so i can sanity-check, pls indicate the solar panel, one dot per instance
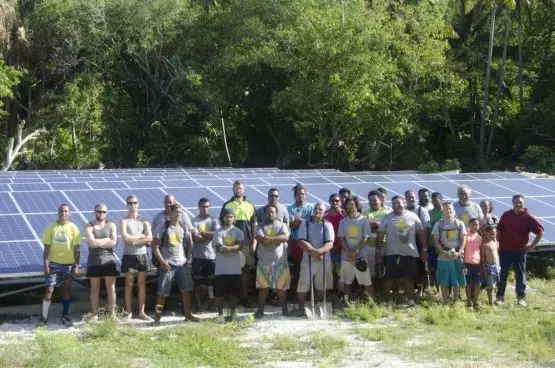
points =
(14, 227)
(29, 200)
(39, 202)
(6, 204)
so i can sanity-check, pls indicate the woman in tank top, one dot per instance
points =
(102, 238)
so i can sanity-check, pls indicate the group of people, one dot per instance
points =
(421, 240)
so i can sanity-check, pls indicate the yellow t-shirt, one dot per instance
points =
(62, 240)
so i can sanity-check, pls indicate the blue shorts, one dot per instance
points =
(58, 273)
(450, 273)
(473, 274)
(181, 275)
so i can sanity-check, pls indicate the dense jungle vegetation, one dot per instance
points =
(345, 84)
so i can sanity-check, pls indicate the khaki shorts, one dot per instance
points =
(349, 272)
(317, 275)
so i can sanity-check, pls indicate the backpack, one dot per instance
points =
(458, 223)
(164, 240)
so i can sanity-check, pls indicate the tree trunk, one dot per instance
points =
(499, 89)
(482, 150)
(225, 139)
(15, 144)
(520, 73)
(74, 144)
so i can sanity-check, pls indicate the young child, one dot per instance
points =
(490, 260)
(472, 263)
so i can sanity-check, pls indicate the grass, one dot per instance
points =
(437, 332)
(108, 344)
(321, 348)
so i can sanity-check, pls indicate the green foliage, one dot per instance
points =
(9, 78)
(298, 83)
(539, 159)
(433, 166)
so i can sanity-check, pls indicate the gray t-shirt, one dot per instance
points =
(472, 210)
(101, 256)
(400, 233)
(204, 249)
(271, 254)
(160, 218)
(173, 252)
(316, 236)
(450, 233)
(353, 230)
(282, 214)
(423, 215)
(135, 227)
(228, 263)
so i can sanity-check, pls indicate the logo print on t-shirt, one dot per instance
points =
(451, 234)
(229, 240)
(202, 227)
(60, 237)
(272, 232)
(353, 231)
(173, 239)
(402, 231)
(465, 217)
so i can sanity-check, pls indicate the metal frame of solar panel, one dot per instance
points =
(29, 199)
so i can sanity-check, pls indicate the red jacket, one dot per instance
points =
(513, 230)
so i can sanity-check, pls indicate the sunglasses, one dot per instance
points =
(98, 211)
(335, 200)
(274, 195)
(129, 203)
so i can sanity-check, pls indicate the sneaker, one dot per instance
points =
(42, 321)
(157, 319)
(66, 321)
(300, 313)
(522, 302)
(499, 302)
(220, 318)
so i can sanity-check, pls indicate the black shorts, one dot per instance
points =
(105, 270)
(203, 268)
(133, 264)
(401, 267)
(227, 284)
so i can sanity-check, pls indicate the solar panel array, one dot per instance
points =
(29, 199)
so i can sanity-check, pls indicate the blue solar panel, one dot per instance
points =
(188, 197)
(489, 189)
(485, 176)
(69, 186)
(14, 227)
(85, 200)
(144, 184)
(39, 202)
(343, 179)
(538, 207)
(215, 182)
(20, 257)
(313, 180)
(180, 183)
(6, 204)
(32, 186)
(39, 194)
(148, 198)
(544, 183)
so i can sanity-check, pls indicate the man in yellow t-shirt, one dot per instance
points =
(61, 254)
